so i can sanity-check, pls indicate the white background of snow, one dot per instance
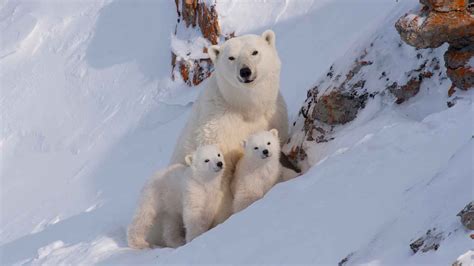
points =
(88, 112)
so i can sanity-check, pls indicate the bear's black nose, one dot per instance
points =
(265, 152)
(219, 164)
(245, 72)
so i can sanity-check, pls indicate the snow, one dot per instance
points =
(88, 112)
(466, 258)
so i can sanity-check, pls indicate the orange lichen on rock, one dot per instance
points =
(436, 28)
(462, 77)
(458, 68)
(208, 22)
(455, 58)
(338, 107)
(443, 21)
(196, 13)
(445, 6)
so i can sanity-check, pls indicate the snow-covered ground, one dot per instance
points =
(88, 111)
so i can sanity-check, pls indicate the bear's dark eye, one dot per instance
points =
(206, 161)
(218, 155)
(231, 58)
(256, 148)
(268, 143)
(255, 53)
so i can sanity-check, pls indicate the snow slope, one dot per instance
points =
(88, 112)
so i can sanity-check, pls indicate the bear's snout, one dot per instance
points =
(265, 154)
(245, 72)
(219, 164)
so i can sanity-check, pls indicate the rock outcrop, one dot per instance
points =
(348, 86)
(467, 215)
(192, 66)
(444, 21)
(429, 241)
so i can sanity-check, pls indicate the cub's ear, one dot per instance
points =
(213, 52)
(189, 159)
(274, 132)
(243, 143)
(269, 37)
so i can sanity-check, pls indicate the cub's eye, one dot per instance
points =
(255, 53)
(256, 148)
(218, 155)
(206, 161)
(268, 143)
(231, 58)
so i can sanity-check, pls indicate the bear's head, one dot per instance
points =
(206, 162)
(247, 67)
(262, 145)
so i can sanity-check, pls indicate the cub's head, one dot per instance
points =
(244, 61)
(262, 145)
(206, 161)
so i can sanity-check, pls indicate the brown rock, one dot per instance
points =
(433, 30)
(208, 22)
(429, 241)
(445, 5)
(406, 91)
(455, 58)
(451, 90)
(184, 70)
(201, 71)
(188, 11)
(196, 13)
(297, 154)
(462, 77)
(444, 21)
(338, 107)
(458, 68)
(467, 215)
(193, 72)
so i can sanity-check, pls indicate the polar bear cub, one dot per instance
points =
(203, 191)
(258, 170)
(180, 202)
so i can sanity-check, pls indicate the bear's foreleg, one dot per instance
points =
(173, 231)
(196, 221)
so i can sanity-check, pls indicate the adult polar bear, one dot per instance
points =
(242, 97)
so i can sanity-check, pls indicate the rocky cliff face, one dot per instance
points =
(189, 53)
(384, 69)
(441, 21)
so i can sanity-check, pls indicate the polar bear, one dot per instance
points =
(242, 97)
(258, 170)
(203, 193)
(182, 197)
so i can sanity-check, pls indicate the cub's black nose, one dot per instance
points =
(265, 152)
(245, 72)
(219, 164)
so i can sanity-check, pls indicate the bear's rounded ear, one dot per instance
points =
(243, 143)
(189, 159)
(213, 52)
(269, 37)
(274, 132)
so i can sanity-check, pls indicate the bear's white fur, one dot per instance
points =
(179, 198)
(258, 170)
(203, 193)
(230, 108)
